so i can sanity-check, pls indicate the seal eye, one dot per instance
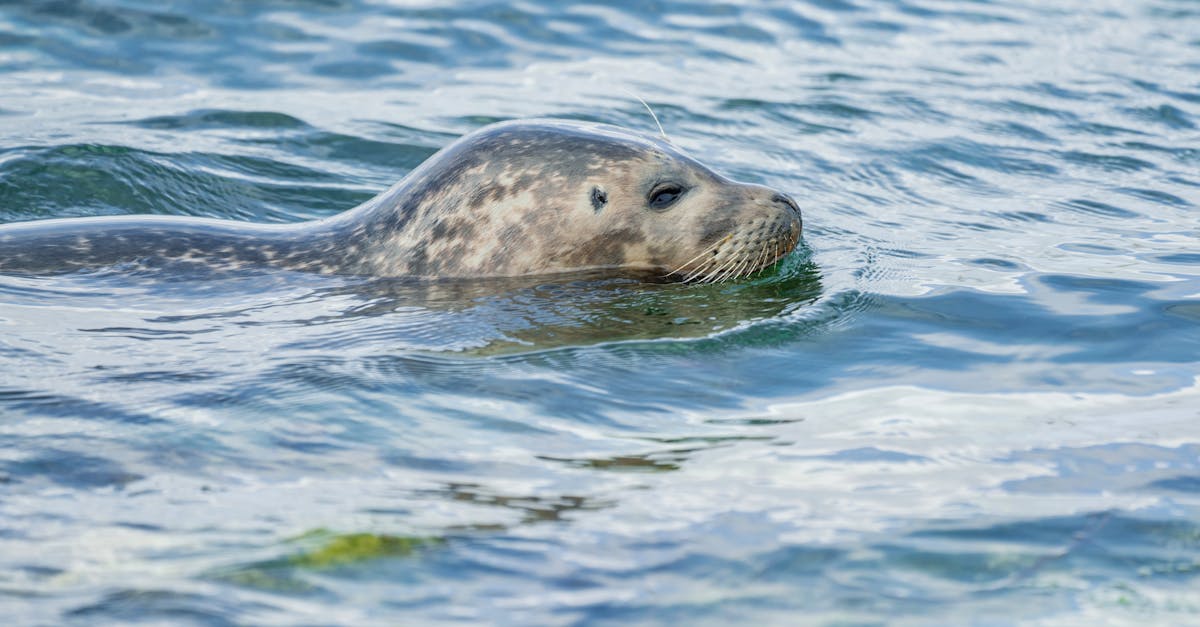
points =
(599, 198)
(664, 195)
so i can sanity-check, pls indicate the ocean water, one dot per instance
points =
(970, 396)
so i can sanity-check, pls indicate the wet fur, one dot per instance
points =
(510, 199)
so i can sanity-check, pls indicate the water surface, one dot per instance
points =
(970, 397)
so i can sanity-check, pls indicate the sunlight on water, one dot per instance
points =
(969, 397)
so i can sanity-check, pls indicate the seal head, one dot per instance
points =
(537, 197)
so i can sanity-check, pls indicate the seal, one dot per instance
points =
(510, 199)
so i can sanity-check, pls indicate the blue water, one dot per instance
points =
(970, 397)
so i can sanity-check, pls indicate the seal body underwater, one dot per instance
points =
(510, 199)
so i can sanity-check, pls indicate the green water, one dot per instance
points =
(969, 397)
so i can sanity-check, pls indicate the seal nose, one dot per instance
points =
(785, 200)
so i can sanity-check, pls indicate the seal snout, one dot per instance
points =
(786, 201)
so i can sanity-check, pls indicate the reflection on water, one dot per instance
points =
(969, 397)
(538, 313)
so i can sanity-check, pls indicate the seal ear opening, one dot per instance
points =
(599, 198)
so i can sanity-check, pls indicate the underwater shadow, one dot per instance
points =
(531, 314)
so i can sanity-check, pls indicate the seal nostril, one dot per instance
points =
(786, 201)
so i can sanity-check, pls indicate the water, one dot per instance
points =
(970, 397)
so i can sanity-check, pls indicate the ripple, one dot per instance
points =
(203, 119)
(41, 403)
(967, 397)
(87, 179)
(70, 469)
(1184, 483)
(1107, 162)
(119, 21)
(139, 604)
(1165, 115)
(1096, 208)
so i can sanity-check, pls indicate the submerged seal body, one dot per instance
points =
(510, 199)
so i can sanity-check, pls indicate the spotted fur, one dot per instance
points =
(510, 199)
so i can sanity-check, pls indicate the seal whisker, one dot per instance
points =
(727, 271)
(694, 272)
(748, 267)
(732, 273)
(715, 275)
(702, 253)
(690, 276)
(736, 271)
(700, 273)
(710, 276)
(705, 270)
(760, 259)
(656, 122)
